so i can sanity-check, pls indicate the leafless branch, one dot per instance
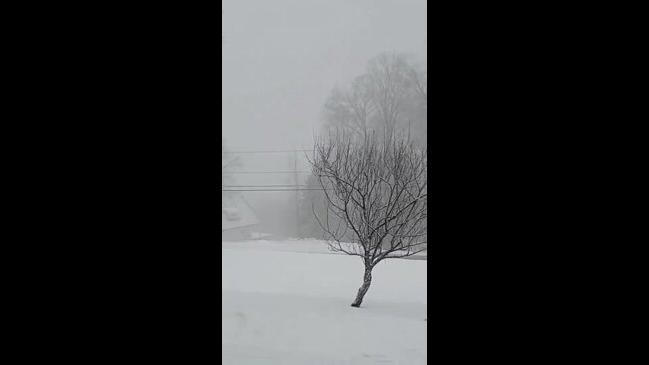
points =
(376, 188)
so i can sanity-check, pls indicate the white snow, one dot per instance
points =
(286, 307)
(295, 245)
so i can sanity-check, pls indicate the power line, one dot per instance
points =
(267, 186)
(268, 151)
(289, 190)
(266, 172)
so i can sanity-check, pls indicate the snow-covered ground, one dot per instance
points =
(293, 245)
(287, 303)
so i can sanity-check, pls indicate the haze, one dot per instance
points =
(282, 58)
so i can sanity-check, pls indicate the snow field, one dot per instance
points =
(283, 307)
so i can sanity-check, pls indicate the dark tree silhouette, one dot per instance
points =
(375, 195)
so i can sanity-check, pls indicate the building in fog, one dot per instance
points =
(238, 219)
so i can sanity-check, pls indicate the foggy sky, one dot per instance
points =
(282, 58)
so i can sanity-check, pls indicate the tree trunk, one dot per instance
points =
(367, 280)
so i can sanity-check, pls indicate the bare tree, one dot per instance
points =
(376, 197)
(353, 109)
(390, 87)
(390, 95)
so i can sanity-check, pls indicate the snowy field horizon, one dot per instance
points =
(305, 245)
(288, 302)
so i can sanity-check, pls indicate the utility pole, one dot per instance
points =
(297, 199)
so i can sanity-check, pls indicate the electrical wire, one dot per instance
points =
(269, 151)
(270, 189)
(267, 186)
(265, 172)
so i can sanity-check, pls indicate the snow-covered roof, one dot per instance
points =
(237, 213)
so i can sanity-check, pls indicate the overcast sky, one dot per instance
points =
(281, 59)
